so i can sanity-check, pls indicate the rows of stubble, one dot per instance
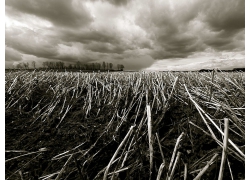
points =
(153, 125)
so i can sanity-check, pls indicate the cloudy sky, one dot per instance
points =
(140, 34)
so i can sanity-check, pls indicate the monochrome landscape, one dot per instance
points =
(122, 89)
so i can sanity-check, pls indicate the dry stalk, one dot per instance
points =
(123, 153)
(159, 143)
(165, 107)
(160, 171)
(215, 125)
(231, 174)
(98, 174)
(218, 142)
(15, 151)
(116, 152)
(172, 91)
(185, 171)
(21, 174)
(67, 110)
(229, 140)
(23, 166)
(174, 166)
(59, 156)
(150, 139)
(41, 150)
(78, 168)
(126, 154)
(120, 170)
(211, 88)
(224, 152)
(63, 168)
(206, 167)
(174, 153)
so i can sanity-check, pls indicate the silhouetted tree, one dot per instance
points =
(103, 65)
(19, 66)
(110, 66)
(97, 66)
(26, 65)
(51, 65)
(57, 65)
(45, 64)
(120, 67)
(107, 66)
(70, 66)
(78, 65)
(33, 64)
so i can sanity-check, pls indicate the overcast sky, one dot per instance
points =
(140, 34)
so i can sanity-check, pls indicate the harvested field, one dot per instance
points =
(140, 125)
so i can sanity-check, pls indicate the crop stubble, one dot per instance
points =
(64, 125)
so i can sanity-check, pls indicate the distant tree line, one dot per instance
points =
(229, 70)
(53, 65)
(78, 65)
(91, 66)
(23, 65)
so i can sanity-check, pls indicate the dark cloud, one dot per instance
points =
(115, 2)
(169, 26)
(228, 15)
(87, 36)
(177, 46)
(105, 48)
(137, 62)
(60, 12)
(29, 42)
(169, 31)
(102, 41)
(133, 33)
(163, 54)
(225, 19)
(170, 34)
(118, 2)
(71, 58)
(145, 45)
(12, 55)
(218, 43)
(225, 41)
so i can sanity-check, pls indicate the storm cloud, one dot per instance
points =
(12, 54)
(135, 33)
(66, 13)
(27, 41)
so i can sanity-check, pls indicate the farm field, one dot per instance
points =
(124, 125)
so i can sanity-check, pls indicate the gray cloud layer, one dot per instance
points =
(29, 42)
(118, 31)
(174, 31)
(65, 13)
(115, 2)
